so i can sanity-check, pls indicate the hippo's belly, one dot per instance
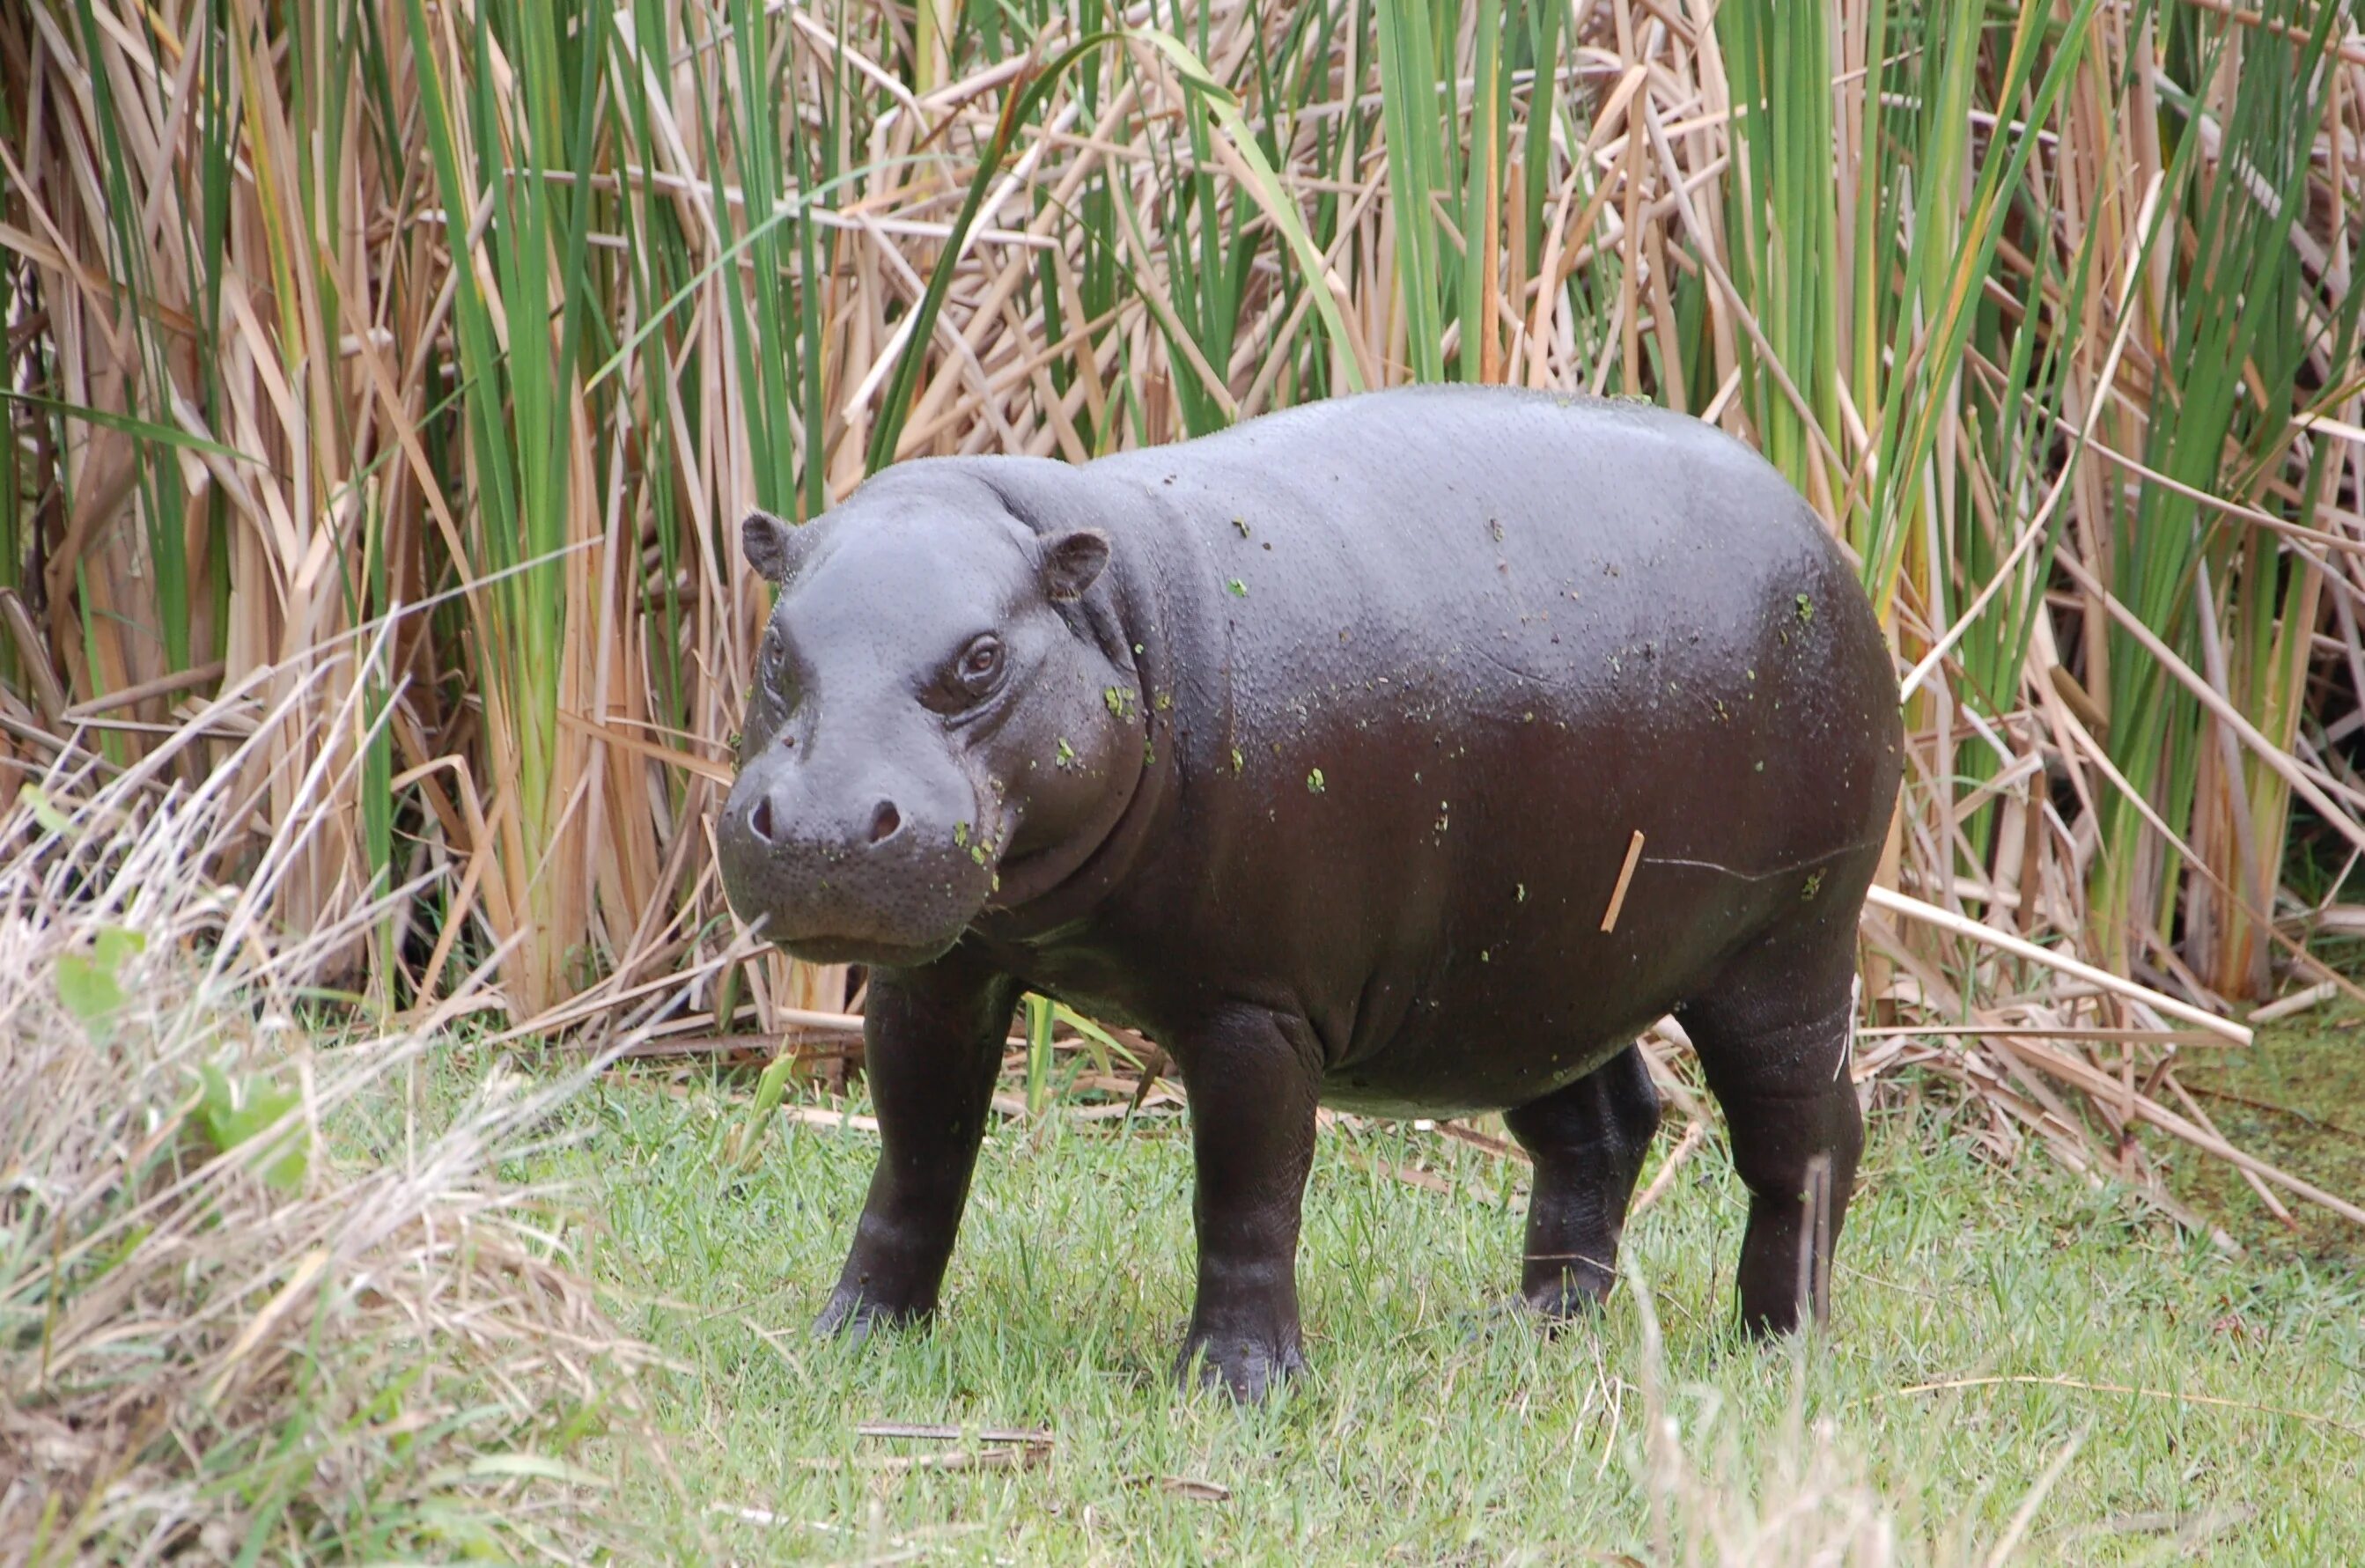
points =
(1494, 944)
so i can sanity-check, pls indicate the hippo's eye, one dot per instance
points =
(774, 678)
(979, 667)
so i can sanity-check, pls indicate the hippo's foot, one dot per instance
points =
(1587, 1140)
(1249, 1369)
(1547, 1313)
(853, 1316)
(1569, 1299)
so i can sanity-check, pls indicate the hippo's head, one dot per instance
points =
(942, 701)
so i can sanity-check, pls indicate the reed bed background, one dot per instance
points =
(491, 317)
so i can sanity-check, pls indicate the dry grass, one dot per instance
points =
(217, 1339)
(2051, 308)
(1809, 1510)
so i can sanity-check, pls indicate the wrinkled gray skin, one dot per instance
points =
(1314, 751)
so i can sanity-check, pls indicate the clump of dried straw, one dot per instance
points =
(214, 1334)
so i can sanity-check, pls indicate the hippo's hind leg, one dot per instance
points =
(1587, 1142)
(1773, 1038)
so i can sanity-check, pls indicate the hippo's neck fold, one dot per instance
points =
(1057, 886)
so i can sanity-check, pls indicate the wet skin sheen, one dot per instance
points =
(1314, 750)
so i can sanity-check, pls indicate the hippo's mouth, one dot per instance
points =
(867, 950)
(880, 905)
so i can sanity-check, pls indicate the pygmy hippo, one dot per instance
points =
(1409, 753)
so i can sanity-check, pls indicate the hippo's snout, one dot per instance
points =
(879, 871)
(768, 829)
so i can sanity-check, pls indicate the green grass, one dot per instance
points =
(1432, 1430)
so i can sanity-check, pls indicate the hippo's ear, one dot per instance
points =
(1073, 563)
(773, 545)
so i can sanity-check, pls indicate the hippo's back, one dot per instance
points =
(1474, 562)
(1447, 520)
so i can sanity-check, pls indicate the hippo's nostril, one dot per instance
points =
(884, 821)
(759, 821)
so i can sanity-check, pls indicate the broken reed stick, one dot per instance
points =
(1501, 1149)
(944, 1432)
(1198, 1491)
(793, 1021)
(818, 1116)
(1625, 874)
(2034, 1032)
(163, 686)
(2019, 947)
(2297, 1001)
(743, 1044)
(2101, 1086)
(1015, 1456)
(2201, 1119)
(1410, 1175)
(2174, 1396)
(1695, 1133)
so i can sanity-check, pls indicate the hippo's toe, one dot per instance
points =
(1249, 1369)
(853, 1316)
(1566, 1300)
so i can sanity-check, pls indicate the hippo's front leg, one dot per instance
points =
(932, 1043)
(1253, 1083)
